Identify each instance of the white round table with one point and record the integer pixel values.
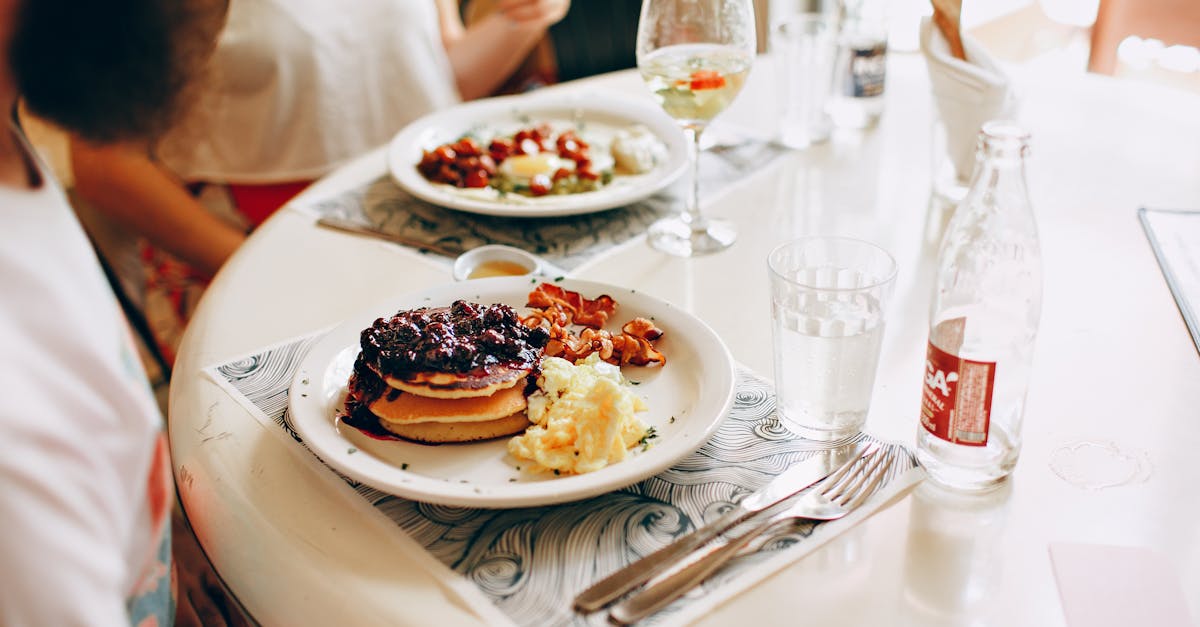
(1114, 365)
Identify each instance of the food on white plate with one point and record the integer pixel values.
(636, 150)
(584, 418)
(447, 374)
(472, 372)
(542, 160)
(522, 169)
(558, 310)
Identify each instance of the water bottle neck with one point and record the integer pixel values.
(1003, 147)
(1000, 172)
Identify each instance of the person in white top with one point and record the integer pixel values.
(85, 478)
(86, 489)
(295, 88)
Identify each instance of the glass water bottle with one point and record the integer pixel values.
(860, 65)
(984, 319)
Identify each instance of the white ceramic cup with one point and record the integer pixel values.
(500, 260)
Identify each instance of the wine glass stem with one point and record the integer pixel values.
(693, 204)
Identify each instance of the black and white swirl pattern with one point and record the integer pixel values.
(264, 379)
(241, 367)
(532, 561)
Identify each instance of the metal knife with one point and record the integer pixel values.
(791, 482)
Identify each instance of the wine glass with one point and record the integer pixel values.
(694, 56)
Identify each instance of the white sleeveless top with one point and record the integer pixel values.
(297, 87)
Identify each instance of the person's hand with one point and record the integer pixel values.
(201, 601)
(536, 13)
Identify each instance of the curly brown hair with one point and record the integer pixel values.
(114, 70)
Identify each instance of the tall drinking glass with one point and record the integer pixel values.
(828, 300)
(694, 56)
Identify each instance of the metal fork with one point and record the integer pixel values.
(834, 497)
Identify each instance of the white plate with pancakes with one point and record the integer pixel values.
(596, 117)
(686, 401)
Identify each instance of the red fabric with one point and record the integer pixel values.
(159, 488)
(258, 202)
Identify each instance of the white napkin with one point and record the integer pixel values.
(966, 93)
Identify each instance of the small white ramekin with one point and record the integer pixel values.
(467, 262)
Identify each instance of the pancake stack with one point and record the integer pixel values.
(448, 374)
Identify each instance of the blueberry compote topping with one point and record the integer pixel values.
(461, 338)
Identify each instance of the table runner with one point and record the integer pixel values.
(530, 562)
(566, 241)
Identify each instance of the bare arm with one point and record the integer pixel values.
(127, 187)
(485, 54)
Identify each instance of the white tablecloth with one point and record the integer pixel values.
(1115, 377)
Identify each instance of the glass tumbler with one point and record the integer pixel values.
(828, 299)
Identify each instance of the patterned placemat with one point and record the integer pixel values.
(529, 563)
(566, 241)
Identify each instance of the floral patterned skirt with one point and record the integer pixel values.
(170, 288)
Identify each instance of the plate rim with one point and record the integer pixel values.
(319, 435)
(404, 173)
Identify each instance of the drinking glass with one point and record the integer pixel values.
(802, 46)
(694, 56)
(828, 299)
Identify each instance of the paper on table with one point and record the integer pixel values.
(1117, 586)
(966, 93)
(1175, 237)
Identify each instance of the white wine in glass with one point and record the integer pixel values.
(694, 56)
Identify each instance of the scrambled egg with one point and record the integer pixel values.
(583, 418)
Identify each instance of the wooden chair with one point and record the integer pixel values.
(1174, 22)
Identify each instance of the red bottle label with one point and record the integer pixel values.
(956, 403)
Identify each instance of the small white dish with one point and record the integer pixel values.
(496, 260)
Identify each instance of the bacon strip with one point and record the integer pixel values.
(579, 310)
(556, 309)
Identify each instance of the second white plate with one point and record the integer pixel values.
(507, 114)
